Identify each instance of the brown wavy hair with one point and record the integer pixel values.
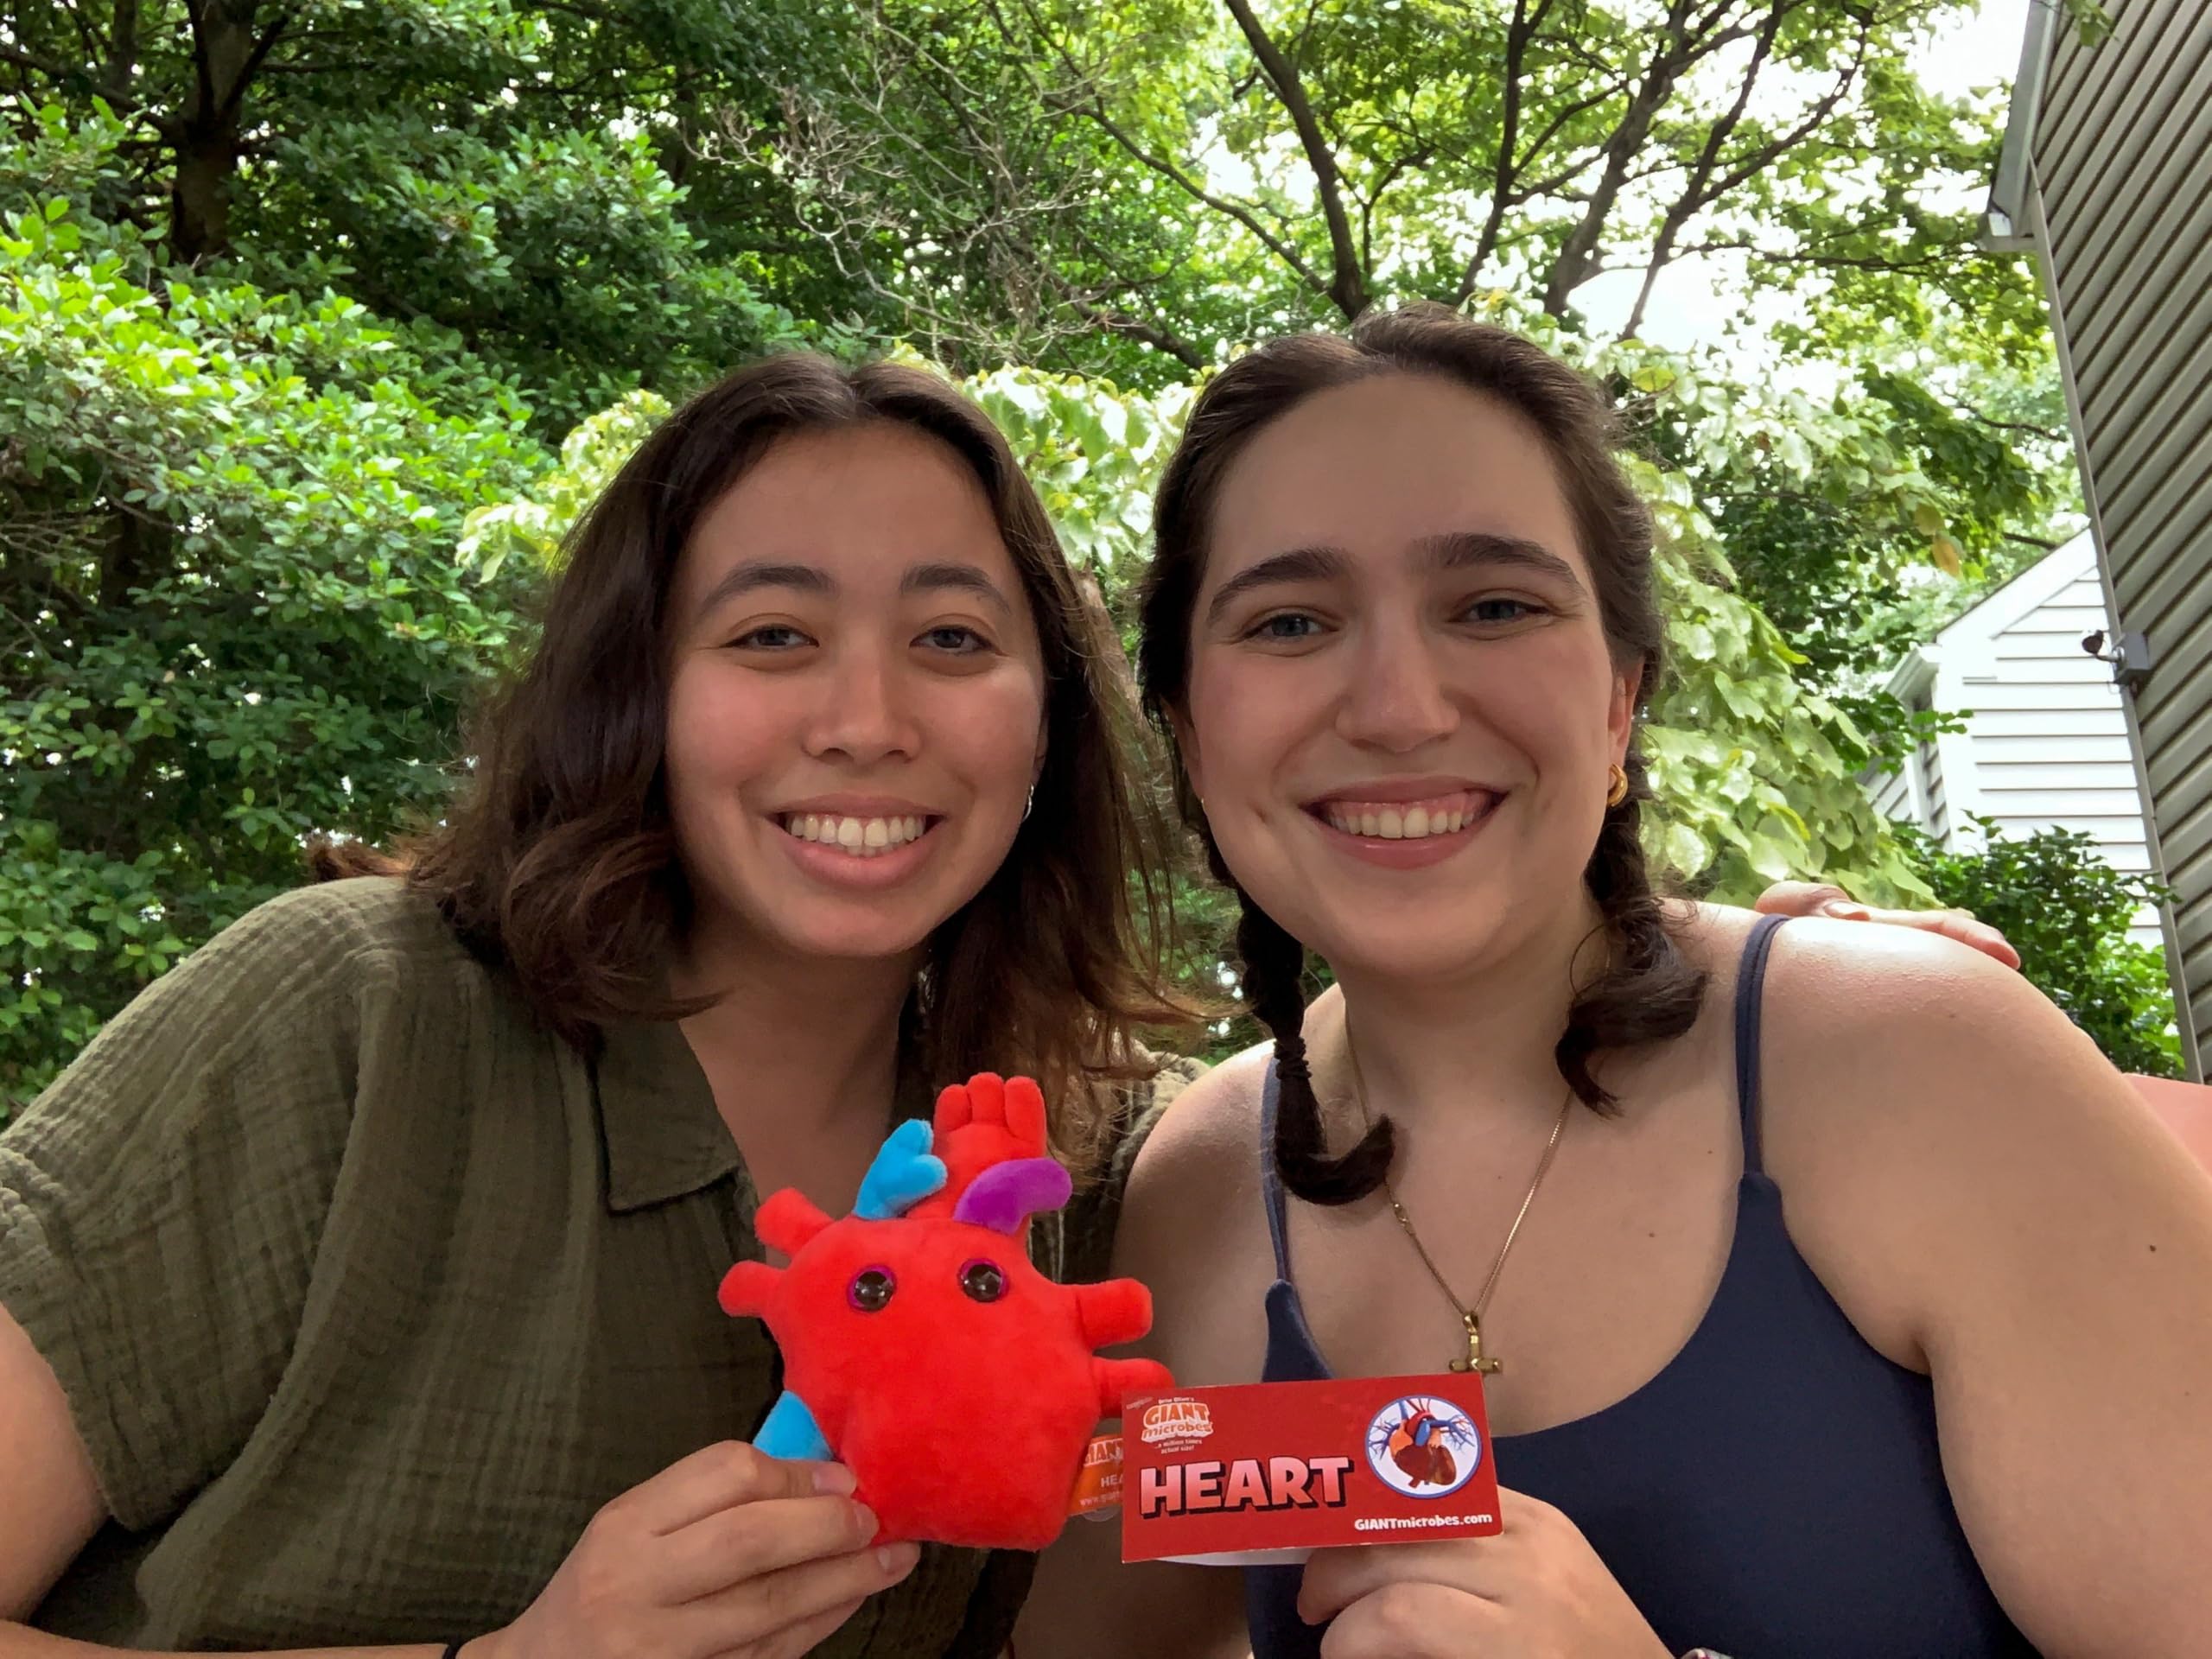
(558, 862)
(1646, 991)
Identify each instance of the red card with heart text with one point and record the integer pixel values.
(1270, 1471)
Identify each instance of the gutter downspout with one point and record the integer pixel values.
(2006, 220)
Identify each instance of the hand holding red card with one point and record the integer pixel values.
(1535, 1588)
(1269, 1471)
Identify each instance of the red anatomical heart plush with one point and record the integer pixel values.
(920, 1346)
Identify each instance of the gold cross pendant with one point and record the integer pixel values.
(1476, 1360)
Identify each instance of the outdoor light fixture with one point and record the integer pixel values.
(2128, 654)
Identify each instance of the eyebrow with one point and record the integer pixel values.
(1298, 564)
(1457, 549)
(762, 573)
(964, 578)
(755, 574)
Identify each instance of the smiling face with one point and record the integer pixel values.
(1401, 706)
(856, 698)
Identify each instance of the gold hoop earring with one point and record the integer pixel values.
(1618, 792)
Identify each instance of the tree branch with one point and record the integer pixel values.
(122, 49)
(1692, 198)
(1408, 161)
(1348, 283)
(1196, 192)
(1121, 322)
(1579, 252)
(1092, 105)
(24, 60)
(262, 47)
(1518, 33)
(1823, 261)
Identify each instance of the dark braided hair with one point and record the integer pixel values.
(1647, 990)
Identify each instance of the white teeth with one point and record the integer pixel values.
(862, 837)
(1400, 824)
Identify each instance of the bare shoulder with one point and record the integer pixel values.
(1217, 1115)
(1899, 1019)
(1929, 1113)
(1194, 1227)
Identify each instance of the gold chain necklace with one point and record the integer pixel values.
(1472, 1317)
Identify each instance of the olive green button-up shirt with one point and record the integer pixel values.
(366, 1294)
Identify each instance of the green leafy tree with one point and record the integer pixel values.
(296, 292)
(1211, 170)
(2068, 914)
(552, 183)
(231, 615)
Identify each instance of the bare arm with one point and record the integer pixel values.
(57, 1505)
(2023, 1221)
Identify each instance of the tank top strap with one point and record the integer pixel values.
(1270, 1182)
(1751, 988)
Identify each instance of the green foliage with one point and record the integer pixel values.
(231, 615)
(276, 381)
(2067, 911)
(527, 178)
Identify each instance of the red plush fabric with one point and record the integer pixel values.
(965, 1420)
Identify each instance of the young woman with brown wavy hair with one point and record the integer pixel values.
(358, 1279)
(1848, 1301)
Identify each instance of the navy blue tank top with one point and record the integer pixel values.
(1774, 1492)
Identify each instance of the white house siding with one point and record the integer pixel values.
(1893, 796)
(2046, 742)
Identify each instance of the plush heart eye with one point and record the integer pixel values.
(871, 1289)
(983, 1281)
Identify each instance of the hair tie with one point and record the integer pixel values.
(1290, 1060)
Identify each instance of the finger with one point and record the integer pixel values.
(1961, 924)
(721, 1477)
(776, 1602)
(1413, 1621)
(803, 1637)
(1802, 898)
(1025, 1114)
(1335, 1578)
(1490, 1568)
(751, 1540)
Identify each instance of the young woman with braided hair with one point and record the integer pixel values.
(1761, 1238)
